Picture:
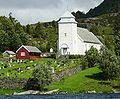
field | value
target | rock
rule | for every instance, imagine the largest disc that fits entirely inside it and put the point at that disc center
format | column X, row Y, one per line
column 27, row 92
column 114, row 91
column 91, row 91
column 50, row 92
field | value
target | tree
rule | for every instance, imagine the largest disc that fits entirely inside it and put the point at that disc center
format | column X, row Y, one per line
column 92, row 56
column 39, row 31
column 4, row 40
column 116, row 25
column 110, row 64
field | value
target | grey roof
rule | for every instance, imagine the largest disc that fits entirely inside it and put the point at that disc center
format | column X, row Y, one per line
column 32, row 49
column 67, row 14
column 10, row 52
column 87, row 36
column 67, row 17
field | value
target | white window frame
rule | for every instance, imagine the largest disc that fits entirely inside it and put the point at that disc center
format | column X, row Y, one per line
column 22, row 53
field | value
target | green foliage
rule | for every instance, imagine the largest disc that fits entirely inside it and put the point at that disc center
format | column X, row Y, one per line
column 110, row 64
column 116, row 25
column 92, row 56
column 74, row 56
column 84, row 62
column 4, row 40
column 13, row 34
column 41, row 35
column 42, row 73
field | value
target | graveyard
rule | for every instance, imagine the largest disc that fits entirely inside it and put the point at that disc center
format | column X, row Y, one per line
column 23, row 68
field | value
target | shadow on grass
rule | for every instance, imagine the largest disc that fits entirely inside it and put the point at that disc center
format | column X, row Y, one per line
column 97, row 76
column 100, row 77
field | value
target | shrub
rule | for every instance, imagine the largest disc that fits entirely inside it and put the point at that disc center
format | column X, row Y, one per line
column 92, row 56
column 42, row 74
column 84, row 62
column 109, row 64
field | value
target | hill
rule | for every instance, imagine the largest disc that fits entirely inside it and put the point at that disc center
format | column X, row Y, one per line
column 107, row 6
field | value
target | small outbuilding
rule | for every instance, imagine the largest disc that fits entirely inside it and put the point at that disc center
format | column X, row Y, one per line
column 27, row 52
column 9, row 54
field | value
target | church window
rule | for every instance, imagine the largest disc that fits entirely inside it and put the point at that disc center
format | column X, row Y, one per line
column 65, row 34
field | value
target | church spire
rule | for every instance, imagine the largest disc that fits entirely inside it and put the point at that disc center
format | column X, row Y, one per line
column 67, row 17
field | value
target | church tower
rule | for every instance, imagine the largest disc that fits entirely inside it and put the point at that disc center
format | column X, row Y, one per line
column 67, row 43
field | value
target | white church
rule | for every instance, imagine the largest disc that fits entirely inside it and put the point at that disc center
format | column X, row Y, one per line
column 74, row 40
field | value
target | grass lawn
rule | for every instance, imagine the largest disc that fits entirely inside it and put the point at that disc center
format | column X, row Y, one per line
column 10, row 91
column 83, row 81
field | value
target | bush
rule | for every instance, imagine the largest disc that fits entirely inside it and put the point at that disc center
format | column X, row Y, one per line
column 74, row 56
column 32, row 84
column 109, row 64
column 42, row 75
column 84, row 62
column 92, row 56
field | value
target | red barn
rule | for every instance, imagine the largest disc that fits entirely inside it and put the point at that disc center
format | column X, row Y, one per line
column 28, row 52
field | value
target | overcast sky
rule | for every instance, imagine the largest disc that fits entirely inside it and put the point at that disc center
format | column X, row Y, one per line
column 32, row 11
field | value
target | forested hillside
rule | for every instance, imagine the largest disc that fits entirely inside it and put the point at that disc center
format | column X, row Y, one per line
column 106, row 27
column 107, row 6
column 13, row 34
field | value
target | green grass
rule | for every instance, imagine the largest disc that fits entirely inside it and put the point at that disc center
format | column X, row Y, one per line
column 20, row 70
column 83, row 81
column 10, row 91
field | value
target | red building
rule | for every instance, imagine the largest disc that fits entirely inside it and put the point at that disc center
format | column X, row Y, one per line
column 28, row 52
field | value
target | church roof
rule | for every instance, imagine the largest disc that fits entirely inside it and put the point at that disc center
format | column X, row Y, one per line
column 87, row 36
column 67, row 17
column 67, row 14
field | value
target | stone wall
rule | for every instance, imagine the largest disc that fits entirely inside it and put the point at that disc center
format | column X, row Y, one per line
column 66, row 73
column 12, row 82
column 21, row 83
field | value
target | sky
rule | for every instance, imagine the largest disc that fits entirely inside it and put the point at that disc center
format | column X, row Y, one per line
column 33, row 11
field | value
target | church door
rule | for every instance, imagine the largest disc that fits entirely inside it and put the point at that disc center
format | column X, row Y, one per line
column 64, row 51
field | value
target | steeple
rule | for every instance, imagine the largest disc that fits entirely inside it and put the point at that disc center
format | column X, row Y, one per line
column 67, row 17
column 67, row 14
